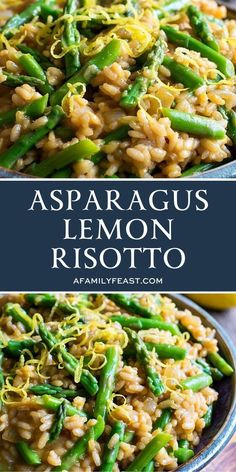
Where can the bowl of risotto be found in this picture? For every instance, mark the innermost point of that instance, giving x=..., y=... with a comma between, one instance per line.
x=134, y=88
x=115, y=382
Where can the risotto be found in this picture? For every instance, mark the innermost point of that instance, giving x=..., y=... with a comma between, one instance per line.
x=103, y=382
x=133, y=88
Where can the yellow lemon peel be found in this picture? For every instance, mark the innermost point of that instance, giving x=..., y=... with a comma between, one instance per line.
x=139, y=39
x=114, y=409
x=9, y=391
x=41, y=362
x=174, y=381
x=78, y=370
x=68, y=101
x=141, y=102
x=94, y=359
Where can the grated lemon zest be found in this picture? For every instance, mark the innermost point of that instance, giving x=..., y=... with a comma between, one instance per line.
x=139, y=35
x=4, y=42
x=68, y=100
x=78, y=370
x=208, y=71
x=173, y=380
x=73, y=319
x=94, y=358
x=36, y=320
x=61, y=344
x=172, y=88
x=141, y=101
x=8, y=390
x=113, y=407
x=41, y=362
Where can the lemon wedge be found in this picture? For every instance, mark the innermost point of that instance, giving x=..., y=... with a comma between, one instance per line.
x=215, y=301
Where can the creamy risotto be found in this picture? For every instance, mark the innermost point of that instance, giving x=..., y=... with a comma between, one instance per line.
x=103, y=383
x=137, y=88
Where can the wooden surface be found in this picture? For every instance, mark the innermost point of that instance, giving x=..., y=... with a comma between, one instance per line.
x=226, y=460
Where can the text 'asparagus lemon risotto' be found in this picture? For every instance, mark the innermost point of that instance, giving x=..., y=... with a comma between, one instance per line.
x=104, y=383
x=132, y=88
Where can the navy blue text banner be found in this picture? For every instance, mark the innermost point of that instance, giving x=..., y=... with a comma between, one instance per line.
x=115, y=235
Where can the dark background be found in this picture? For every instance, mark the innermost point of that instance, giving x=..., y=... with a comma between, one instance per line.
x=26, y=238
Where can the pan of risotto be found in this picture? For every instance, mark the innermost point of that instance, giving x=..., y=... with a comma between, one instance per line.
x=109, y=383
x=123, y=89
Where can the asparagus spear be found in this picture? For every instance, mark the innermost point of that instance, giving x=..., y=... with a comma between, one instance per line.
x=72, y=456
x=146, y=76
x=62, y=173
x=128, y=436
x=48, y=300
x=40, y=58
x=82, y=150
x=14, y=348
x=30, y=139
x=167, y=351
x=19, y=314
x=215, y=359
x=153, y=379
x=163, y=420
x=31, y=66
x=149, y=467
x=52, y=403
x=194, y=124
x=41, y=299
x=67, y=308
x=145, y=323
x=21, y=18
x=110, y=453
x=149, y=452
x=58, y=422
x=49, y=389
x=182, y=74
x=30, y=456
x=186, y=41
x=70, y=37
x=220, y=363
x=46, y=167
x=208, y=416
x=215, y=373
x=132, y=305
x=201, y=28
x=104, y=58
x=230, y=116
x=33, y=110
x=160, y=423
x=183, y=454
x=88, y=381
x=13, y=80
x=183, y=443
x=106, y=382
x=196, y=382
x=34, y=69
x=197, y=169
x=48, y=10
